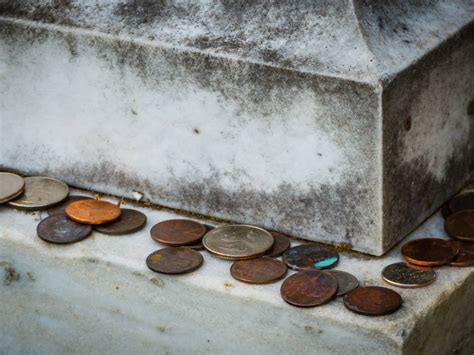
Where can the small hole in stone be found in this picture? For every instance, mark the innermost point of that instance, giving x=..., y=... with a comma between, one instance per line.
x=408, y=123
x=196, y=131
x=470, y=108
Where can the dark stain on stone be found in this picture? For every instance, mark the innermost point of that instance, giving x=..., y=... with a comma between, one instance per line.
x=136, y=12
x=10, y=275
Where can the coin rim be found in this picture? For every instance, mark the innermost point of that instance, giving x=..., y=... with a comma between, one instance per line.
x=390, y=311
x=344, y=272
x=173, y=244
x=89, y=227
x=129, y=231
x=180, y=272
x=469, y=240
x=284, y=258
x=276, y=255
x=393, y=283
x=268, y=281
x=88, y=222
x=427, y=263
x=16, y=194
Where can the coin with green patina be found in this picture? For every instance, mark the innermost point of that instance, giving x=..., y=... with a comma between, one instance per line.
x=311, y=257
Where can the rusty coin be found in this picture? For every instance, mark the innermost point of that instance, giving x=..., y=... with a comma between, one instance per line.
x=262, y=270
x=310, y=257
x=61, y=230
x=465, y=256
x=11, y=186
x=460, y=225
x=462, y=202
x=403, y=275
x=309, y=288
x=281, y=244
x=345, y=282
x=178, y=232
x=130, y=221
x=61, y=208
x=93, y=212
x=373, y=301
x=429, y=252
x=174, y=260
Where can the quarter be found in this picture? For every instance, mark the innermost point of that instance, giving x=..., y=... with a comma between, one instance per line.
x=61, y=230
x=403, y=275
x=429, y=252
x=280, y=245
x=11, y=186
x=93, y=212
x=345, y=282
x=178, y=232
x=310, y=257
x=61, y=208
x=262, y=270
x=373, y=301
x=460, y=225
x=130, y=221
x=174, y=260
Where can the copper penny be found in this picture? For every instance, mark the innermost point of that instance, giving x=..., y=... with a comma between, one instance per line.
x=462, y=202
x=61, y=208
x=11, y=186
x=345, y=282
x=130, y=221
x=310, y=257
x=178, y=232
x=465, y=256
x=174, y=260
x=429, y=252
x=309, y=288
x=262, y=270
x=403, y=275
x=61, y=230
x=460, y=225
x=373, y=301
x=93, y=212
x=280, y=245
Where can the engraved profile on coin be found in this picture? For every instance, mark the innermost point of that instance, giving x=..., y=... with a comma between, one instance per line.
x=403, y=275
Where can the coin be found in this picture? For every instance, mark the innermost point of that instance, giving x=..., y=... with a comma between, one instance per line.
x=197, y=246
x=403, y=275
x=61, y=230
x=373, y=301
x=345, y=282
x=465, y=256
x=311, y=256
x=429, y=252
x=130, y=221
x=93, y=212
x=237, y=242
x=11, y=186
x=61, y=208
x=309, y=288
x=174, y=260
x=262, y=270
x=462, y=202
x=40, y=193
x=445, y=211
x=460, y=225
x=281, y=244
x=178, y=232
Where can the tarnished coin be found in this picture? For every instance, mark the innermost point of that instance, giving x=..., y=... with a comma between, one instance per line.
x=178, y=232
x=174, y=260
x=429, y=252
x=61, y=208
x=345, y=282
x=310, y=257
x=130, y=221
x=460, y=225
x=197, y=246
x=462, y=202
x=237, y=242
x=11, y=186
x=309, y=288
x=93, y=212
x=61, y=230
x=373, y=301
x=281, y=244
x=41, y=193
x=465, y=256
x=403, y=275
x=445, y=211
x=262, y=270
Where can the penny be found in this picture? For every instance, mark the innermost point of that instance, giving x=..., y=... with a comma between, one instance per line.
x=174, y=260
x=93, y=212
x=11, y=186
x=465, y=256
x=373, y=301
x=130, y=221
x=237, y=242
x=445, y=211
x=403, y=275
x=429, y=252
x=346, y=282
x=462, y=202
x=41, y=193
x=281, y=244
x=61, y=208
x=310, y=257
x=309, y=288
x=197, y=246
x=61, y=230
x=262, y=270
x=178, y=232
x=460, y=225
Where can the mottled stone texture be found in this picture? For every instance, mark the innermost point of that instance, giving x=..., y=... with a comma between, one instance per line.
x=339, y=121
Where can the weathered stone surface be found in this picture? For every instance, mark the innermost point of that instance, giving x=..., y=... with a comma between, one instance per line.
x=344, y=122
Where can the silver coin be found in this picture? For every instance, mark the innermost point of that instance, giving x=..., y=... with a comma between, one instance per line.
x=345, y=282
x=40, y=193
x=11, y=186
x=403, y=275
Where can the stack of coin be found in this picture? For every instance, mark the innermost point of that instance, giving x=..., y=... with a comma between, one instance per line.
x=11, y=186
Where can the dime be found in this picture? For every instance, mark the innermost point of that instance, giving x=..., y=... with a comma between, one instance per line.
x=346, y=282
x=61, y=208
x=373, y=301
x=237, y=242
x=403, y=275
x=11, y=186
x=130, y=221
x=61, y=230
x=262, y=270
x=93, y=212
x=281, y=244
x=174, y=260
x=178, y=232
x=40, y=193
x=309, y=288
x=429, y=252
x=465, y=256
x=462, y=202
x=460, y=225
x=311, y=256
